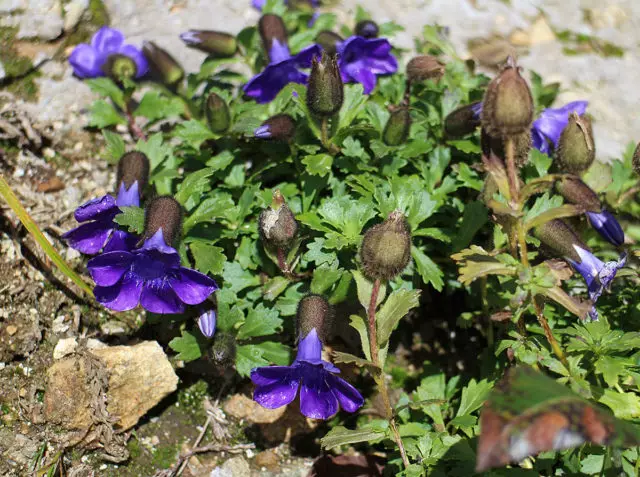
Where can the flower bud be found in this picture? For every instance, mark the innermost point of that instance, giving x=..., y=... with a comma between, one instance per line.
x=367, y=29
x=507, y=105
x=386, y=248
x=207, y=321
x=325, y=91
x=223, y=350
x=577, y=192
x=277, y=224
x=463, y=120
x=133, y=166
x=119, y=67
x=215, y=43
x=163, y=64
x=521, y=145
x=636, y=159
x=217, y=113
x=314, y=311
x=280, y=127
x=560, y=238
x=424, y=67
x=328, y=41
x=397, y=128
x=274, y=35
x=576, y=149
x=163, y=212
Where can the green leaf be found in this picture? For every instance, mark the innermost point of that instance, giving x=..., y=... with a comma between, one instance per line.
x=623, y=405
x=394, y=309
x=473, y=395
x=475, y=216
x=365, y=288
x=340, y=435
x=318, y=164
x=103, y=114
x=156, y=149
x=257, y=355
x=194, y=185
x=187, y=347
x=229, y=314
x=260, y=321
x=106, y=87
x=476, y=262
x=428, y=270
x=346, y=358
x=237, y=279
x=325, y=276
x=193, y=133
x=465, y=145
x=354, y=101
x=210, y=208
x=132, y=218
x=540, y=161
x=357, y=323
x=209, y=258
x=154, y=105
x=115, y=148
x=274, y=288
x=432, y=388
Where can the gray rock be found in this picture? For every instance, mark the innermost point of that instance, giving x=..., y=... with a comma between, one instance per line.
x=10, y=6
x=234, y=467
x=42, y=19
x=73, y=12
x=3, y=73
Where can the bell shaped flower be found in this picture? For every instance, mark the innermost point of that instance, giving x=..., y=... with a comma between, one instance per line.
x=361, y=60
x=150, y=276
x=207, y=321
x=283, y=69
x=97, y=229
x=597, y=274
x=607, y=226
x=88, y=60
x=322, y=393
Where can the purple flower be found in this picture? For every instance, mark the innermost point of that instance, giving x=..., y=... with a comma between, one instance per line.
x=259, y=4
x=87, y=60
x=596, y=273
x=98, y=229
x=361, y=60
x=282, y=70
x=207, y=322
x=607, y=226
x=322, y=392
x=151, y=276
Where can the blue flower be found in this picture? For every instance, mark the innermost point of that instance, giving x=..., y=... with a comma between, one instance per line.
x=597, y=274
x=150, y=276
x=607, y=226
x=87, y=60
x=362, y=60
x=207, y=321
x=259, y=4
x=322, y=393
x=98, y=229
x=282, y=70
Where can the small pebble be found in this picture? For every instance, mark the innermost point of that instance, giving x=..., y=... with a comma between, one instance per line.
x=11, y=330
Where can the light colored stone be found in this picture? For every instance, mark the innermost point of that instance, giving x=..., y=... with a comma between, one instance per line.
x=3, y=73
x=64, y=347
x=73, y=12
x=234, y=467
x=242, y=407
x=10, y=6
x=139, y=377
x=540, y=32
x=42, y=19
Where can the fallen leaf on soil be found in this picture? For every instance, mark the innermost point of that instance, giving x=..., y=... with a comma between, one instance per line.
x=53, y=184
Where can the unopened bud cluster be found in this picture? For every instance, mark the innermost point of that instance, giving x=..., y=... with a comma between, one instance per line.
x=325, y=92
x=277, y=224
x=163, y=212
x=217, y=113
x=133, y=167
x=576, y=148
x=314, y=311
x=386, y=248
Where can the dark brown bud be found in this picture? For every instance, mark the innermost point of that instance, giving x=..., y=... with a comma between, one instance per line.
x=162, y=63
x=367, y=29
x=163, y=212
x=223, y=350
x=424, y=67
x=280, y=127
x=215, y=43
x=273, y=33
x=314, y=311
x=133, y=166
x=277, y=224
x=577, y=192
x=397, y=128
x=576, y=149
x=325, y=92
x=217, y=113
x=463, y=120
x=508, y=105
x=386, y=248
x=636, y=159
x=328, y=41
x=521, y=146
x=559, y=238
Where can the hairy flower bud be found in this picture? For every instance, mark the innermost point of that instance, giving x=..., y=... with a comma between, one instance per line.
x=508, y=105
x=162, y=63
x=577, y=192
x=215, y=43
x=325, y=91
x=314, y=311
x=280, y=127
x=386, y=248
x=277, y=224
x=636, y=159
x=424, y=67
x=521, y=145
x=119, y=67
x=329, y=40
x=576, y=149
x=366, y=29
x=560, y=238
x=163, y=212
x=223, y=350
x=463, y=120
x=217, y=113
x=133, y=166
x=397, y=128
x=273, y=33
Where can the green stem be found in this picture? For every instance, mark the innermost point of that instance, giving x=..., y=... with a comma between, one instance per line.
x=34, y=230
x=324, y=132
x=379, y=377
x=555, y=346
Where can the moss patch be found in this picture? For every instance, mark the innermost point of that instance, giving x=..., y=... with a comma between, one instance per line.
x=20, y=75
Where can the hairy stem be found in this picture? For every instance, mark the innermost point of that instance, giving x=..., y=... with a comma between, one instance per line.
x=135, y=130
x=555, y=346
x=36, y=233
x=522, y=243
x=512, y=171
x=379, y=377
